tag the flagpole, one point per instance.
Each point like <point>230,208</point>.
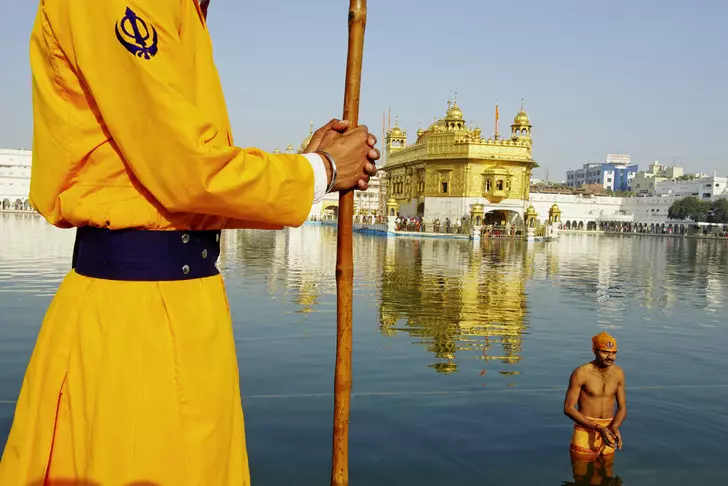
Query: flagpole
<point>344,259</point>
<point>496,121</point>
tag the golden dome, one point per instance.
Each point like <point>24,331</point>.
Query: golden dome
<point>290,148</point>
<point>307,140</point>
<point>277,151</point>
<point>521,118</point>
<point>454,112</point>
<point>396,131</point>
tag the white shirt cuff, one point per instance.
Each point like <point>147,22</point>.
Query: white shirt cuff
<point>320,179</point>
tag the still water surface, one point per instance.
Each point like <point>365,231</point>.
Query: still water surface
<point>462,351</point>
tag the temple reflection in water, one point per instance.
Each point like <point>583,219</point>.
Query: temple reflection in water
<point>457,300</point>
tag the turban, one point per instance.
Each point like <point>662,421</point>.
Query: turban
<point>604,342</point>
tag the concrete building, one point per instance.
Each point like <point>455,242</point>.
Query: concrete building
<point>616,174</point>
<point>644,182</point>
<point>15,179</point>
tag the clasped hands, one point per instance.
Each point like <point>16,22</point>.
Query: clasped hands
<point>353,151</point>
<point>611,436</point>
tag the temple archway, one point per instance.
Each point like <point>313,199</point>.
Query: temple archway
<point>331,211</point>
<point>501,217</point>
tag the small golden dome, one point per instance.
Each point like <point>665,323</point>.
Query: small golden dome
<point>454,113</point>
<point>290,148</point>
<point>277,151</point>
<point>477,132</point>
<point>307,140</point>
<point>521,118</point>
<point>396,131</point>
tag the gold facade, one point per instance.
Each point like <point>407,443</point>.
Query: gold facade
<point>449,159</point>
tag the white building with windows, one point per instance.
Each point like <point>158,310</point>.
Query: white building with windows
<point>15,179</point>
<point>704,187</point>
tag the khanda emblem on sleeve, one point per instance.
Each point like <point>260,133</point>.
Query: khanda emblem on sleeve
<point>137,37</point>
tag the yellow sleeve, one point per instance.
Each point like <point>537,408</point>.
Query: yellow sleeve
<point>130,55</point>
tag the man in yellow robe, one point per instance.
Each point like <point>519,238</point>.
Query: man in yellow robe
<point>134,376</point>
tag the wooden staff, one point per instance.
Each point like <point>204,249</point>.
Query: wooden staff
<point>344,258</point>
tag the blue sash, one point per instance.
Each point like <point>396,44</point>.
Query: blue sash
<point>142,255</point>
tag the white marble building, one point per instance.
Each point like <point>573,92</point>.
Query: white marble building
<point>580,211</point>
<point>704,187</point>
<point>15,179</point>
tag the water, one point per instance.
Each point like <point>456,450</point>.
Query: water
<point>462,351</point>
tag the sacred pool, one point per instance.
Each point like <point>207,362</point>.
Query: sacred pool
<point>462,351</point>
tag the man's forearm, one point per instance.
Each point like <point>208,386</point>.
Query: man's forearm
<point>581,419</point>
<point>619,417</point>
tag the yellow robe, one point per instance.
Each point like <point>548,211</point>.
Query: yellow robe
<point>137,382</point>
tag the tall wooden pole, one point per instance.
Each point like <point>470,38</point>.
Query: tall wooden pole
<point>344,258</point>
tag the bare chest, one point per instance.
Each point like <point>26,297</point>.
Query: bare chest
<point>600,385</point>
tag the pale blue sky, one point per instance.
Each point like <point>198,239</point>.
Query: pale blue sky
<point>643,77</point>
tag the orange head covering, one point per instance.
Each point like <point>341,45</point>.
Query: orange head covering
<point>604,341</point>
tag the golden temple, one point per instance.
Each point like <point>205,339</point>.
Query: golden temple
<point>451,166</point>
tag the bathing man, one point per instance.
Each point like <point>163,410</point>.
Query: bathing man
<point>594,389</point>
